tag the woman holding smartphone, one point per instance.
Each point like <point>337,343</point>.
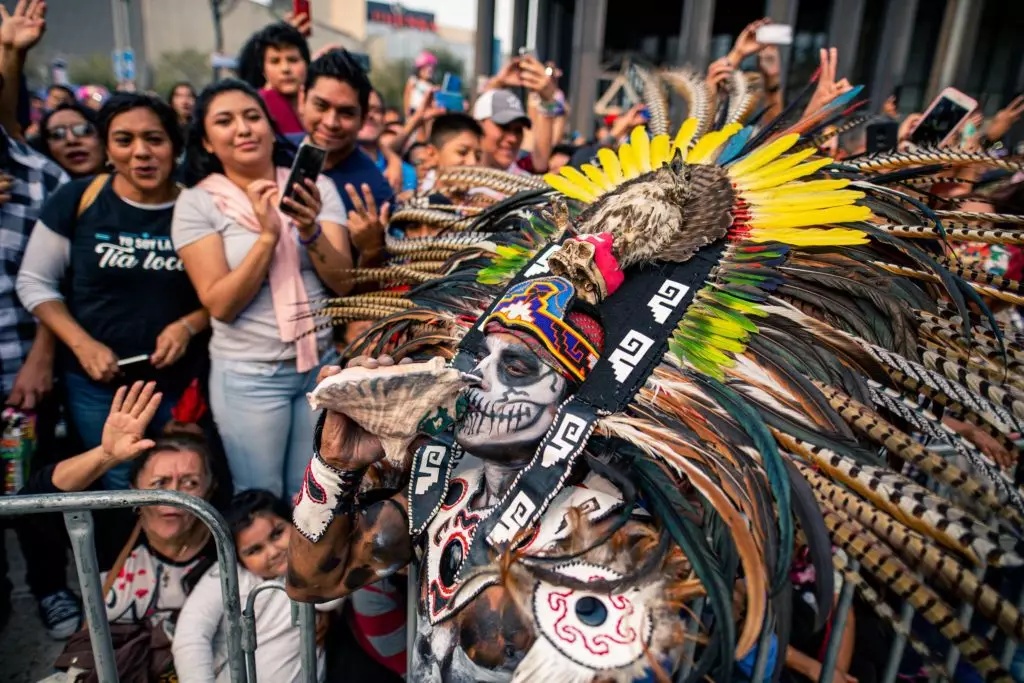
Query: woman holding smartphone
<point>255,267</point>
<point>101,272</point>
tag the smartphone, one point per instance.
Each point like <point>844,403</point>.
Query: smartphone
<point>775,34</point>
<point>943,118</point>
<point>308,164</point>
<point>302,7</point>
<point>882,136</point>
<point>450,94</point>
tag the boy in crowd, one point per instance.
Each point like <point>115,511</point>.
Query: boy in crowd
<point>334,110</point>
<point>275,61</point>
<point>455,140</point>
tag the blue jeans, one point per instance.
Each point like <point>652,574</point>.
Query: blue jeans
<point>265,422</point>
<point>88,407</point>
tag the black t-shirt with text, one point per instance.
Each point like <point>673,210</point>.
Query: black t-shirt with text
<point>124,283</point>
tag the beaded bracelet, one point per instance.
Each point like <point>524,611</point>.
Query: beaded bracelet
<point>316,235</point>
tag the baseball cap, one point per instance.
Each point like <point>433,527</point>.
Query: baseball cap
<point>500,106</point>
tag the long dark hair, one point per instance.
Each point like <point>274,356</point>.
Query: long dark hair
<point>123,102</point>
<point>42,143</point>
<point>200,163</point>
<point>174,89</point>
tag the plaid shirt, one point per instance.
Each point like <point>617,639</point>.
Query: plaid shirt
<point>35,178</point>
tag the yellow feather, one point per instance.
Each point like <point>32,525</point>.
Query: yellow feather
<point>627,157</point>
<point>707,145</point>
<point>806,202</point>
<point>569,189</point>
<point>786,176</point>
<point>580,180</point>
<point>798,219</point>
<point>777,166</point>
<point>683,137</point>
<point>796,188</point>
<point>760,157</point>
<point>811,237</point>
<point>659,152</point>
<point>641,145</point>
<point>610,164</point>
<point>598,176</point>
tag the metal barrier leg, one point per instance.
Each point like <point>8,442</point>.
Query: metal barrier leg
<point>892,666</point>
<point>828,664</point>
<point>82,533</point>
<point>307,636</point>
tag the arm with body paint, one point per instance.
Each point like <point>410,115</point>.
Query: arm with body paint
<point>339,549</point>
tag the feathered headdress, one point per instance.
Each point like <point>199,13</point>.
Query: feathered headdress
<point>772,320</point>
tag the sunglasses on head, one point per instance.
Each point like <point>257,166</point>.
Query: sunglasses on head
<point>79,130</point>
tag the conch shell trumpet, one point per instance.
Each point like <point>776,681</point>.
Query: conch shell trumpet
<point>393,402</point>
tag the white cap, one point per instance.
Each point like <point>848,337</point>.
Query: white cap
<point>500,106</point>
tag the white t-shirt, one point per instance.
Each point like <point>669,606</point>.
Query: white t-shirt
<point>200,644</point>
<point>254,334</point>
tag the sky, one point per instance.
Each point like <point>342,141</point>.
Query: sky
<point>462,13</point>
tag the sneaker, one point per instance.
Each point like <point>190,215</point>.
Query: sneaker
<point>61,614</point>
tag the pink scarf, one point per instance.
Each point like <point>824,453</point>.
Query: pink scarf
<point>287,291</point>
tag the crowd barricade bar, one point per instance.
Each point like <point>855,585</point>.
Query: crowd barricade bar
<point>78,518</point>
<point>307,637</point>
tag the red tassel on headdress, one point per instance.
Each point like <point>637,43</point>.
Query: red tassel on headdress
<point>191,406</point>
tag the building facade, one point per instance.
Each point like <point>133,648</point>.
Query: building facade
<point>910,48</point>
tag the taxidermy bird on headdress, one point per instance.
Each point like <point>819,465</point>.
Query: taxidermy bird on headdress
<point>820,326</point>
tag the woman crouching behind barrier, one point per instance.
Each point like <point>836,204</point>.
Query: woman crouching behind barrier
<point>149,558</point>
<point>261,525</point>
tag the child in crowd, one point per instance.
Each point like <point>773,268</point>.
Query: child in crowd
<point>454,141</point>
<point>274,61</point>
<point>261,526</point>
<point>420,83</point>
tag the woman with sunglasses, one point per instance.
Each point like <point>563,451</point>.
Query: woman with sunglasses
<point>68,136</point>
<point>100,271</point>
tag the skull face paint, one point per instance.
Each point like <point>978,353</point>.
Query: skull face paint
<point>512,408</point>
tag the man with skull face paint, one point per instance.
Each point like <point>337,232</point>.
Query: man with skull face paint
<point>752,353</point>
<point>469,629</point>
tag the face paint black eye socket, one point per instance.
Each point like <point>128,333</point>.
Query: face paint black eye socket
<point>518,366</point>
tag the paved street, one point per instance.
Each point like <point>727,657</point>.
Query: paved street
<point>26,654</point>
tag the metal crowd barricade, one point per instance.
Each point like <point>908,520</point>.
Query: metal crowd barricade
<point>78,518</point>
<point>303,615</point>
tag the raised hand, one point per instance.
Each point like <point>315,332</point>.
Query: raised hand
<point>537,78</point>
<point>1003,121</point>
<point>130,413</point>
<point>746,43</point>
<point>365,223</point>
<point>828,88</point>
<point>23,28</point>
<point>718,73</point>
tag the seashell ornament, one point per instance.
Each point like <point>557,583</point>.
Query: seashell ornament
<point>395,403</point>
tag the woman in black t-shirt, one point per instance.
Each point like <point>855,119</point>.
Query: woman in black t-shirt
<point>101,272</point>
